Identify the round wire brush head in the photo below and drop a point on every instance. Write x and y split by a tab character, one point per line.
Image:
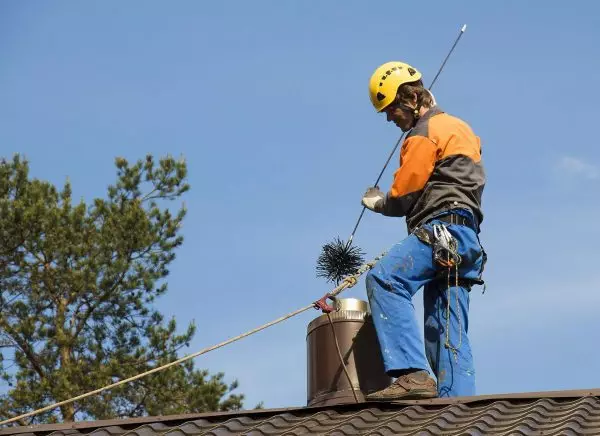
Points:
338	260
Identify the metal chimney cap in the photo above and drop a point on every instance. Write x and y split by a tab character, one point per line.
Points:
353	304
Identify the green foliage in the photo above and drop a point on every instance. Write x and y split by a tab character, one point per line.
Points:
77	285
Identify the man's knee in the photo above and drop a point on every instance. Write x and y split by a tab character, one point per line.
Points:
380	284
376	281
371	283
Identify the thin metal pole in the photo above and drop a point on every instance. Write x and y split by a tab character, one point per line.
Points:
462	30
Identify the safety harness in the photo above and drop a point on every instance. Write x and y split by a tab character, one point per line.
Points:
445	254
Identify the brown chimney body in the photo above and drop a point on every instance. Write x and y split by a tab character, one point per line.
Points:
327	383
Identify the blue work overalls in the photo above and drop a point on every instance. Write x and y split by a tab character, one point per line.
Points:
392	283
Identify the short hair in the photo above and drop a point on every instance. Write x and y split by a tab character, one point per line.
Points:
406	92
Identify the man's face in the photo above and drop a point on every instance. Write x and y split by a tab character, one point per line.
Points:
400	116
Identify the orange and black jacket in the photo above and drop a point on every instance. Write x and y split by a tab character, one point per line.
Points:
440	169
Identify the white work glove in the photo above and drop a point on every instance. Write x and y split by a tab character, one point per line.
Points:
374	199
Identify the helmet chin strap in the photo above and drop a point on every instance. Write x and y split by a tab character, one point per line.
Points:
416	111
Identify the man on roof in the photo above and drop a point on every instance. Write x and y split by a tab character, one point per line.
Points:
438	189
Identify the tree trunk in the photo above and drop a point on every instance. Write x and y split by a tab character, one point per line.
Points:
68	410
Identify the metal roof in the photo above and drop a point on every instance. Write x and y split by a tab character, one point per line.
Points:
548	413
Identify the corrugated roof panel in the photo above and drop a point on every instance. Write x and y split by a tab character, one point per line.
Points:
565	414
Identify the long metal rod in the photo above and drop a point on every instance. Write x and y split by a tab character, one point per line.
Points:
462	30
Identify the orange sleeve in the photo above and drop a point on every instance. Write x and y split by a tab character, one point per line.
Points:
417	159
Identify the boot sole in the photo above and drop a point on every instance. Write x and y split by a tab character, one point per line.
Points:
413	395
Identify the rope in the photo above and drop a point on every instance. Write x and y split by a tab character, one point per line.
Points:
337	346
348	282
448	344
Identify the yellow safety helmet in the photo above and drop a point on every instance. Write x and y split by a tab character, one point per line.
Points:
385	81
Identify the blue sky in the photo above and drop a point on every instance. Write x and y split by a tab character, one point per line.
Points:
268	103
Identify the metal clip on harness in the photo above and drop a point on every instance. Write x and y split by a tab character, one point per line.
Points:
445	247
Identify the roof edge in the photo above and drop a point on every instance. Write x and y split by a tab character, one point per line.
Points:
141	420
134	422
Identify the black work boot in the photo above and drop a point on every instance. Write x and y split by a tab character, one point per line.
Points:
414	386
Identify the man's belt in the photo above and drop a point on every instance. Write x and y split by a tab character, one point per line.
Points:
454	218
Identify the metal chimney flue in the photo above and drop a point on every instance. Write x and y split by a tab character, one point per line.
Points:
327	384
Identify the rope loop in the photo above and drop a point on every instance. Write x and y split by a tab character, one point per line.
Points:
351	281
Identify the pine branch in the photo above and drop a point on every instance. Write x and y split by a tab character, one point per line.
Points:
25	348
83	321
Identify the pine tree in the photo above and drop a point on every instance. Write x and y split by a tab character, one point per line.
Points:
77	287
